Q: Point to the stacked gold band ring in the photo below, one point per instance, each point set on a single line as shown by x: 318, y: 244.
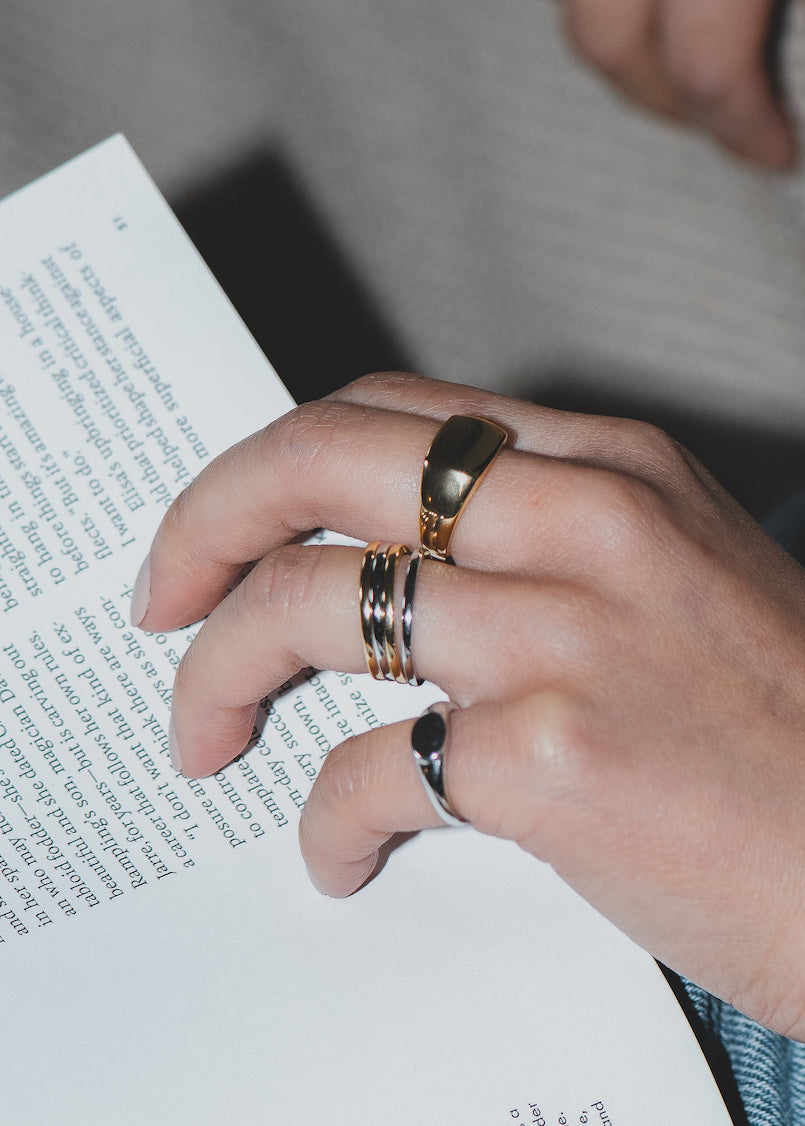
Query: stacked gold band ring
x: 458, y: 459
x: 387, y: 635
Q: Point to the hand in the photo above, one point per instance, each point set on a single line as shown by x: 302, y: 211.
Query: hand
x: 703, y: 62
x: 625, y: 647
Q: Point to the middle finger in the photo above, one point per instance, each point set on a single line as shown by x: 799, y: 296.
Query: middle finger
x: 299, y: 608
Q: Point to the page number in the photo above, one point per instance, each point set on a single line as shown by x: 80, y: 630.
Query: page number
x: 120, y: 223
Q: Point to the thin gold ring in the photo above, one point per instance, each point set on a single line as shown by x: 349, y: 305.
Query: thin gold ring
x: 367, y: 595
x: 385, y: 619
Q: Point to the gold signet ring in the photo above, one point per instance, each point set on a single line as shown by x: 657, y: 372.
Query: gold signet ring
x: 458, y: 458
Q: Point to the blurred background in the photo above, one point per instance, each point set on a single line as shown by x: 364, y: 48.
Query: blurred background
x: 438, y: 185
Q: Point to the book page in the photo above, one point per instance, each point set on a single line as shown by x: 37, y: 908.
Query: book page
x: 165, y: 957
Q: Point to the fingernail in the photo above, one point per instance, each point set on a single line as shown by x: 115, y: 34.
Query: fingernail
x: 173, y: 743
x: 141, y: 595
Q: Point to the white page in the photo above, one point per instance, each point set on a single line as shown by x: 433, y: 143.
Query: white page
x: 163, y: 956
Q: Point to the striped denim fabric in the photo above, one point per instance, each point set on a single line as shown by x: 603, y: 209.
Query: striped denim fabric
x: 768, y: 1069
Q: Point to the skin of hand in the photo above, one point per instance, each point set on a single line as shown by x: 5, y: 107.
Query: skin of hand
x: 700, y: 62
x: 623, y: 644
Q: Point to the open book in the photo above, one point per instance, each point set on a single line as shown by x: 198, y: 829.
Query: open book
x: 163, y: 957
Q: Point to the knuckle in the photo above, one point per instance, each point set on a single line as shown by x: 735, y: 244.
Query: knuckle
x: 611, y: 47
x: 401, y: 390
x: 654, y: 450
x: 704, y: 77
x: 184, y: 674
x: 177, y: 521
x: 666, y: 467
x: 346, y: 776
x: 563, y: 756
x: 197, y: 681
x: 621, y: 512
x: 301, y: 435
x: 307, y: 446
x: 382, y: 382
x: 645, y: 436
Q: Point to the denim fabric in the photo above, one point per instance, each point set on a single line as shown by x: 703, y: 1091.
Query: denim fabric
x: 768, y: 1069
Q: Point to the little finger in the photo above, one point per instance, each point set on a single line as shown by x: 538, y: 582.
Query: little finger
x: 369, y: 788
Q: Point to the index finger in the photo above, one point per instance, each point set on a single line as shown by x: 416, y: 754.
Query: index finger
x: 351, y: 464
x: 351, y: 467
x: 322, y: 465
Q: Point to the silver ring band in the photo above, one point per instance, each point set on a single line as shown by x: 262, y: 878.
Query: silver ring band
x: 428, y: 739
x: 409, y: 592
